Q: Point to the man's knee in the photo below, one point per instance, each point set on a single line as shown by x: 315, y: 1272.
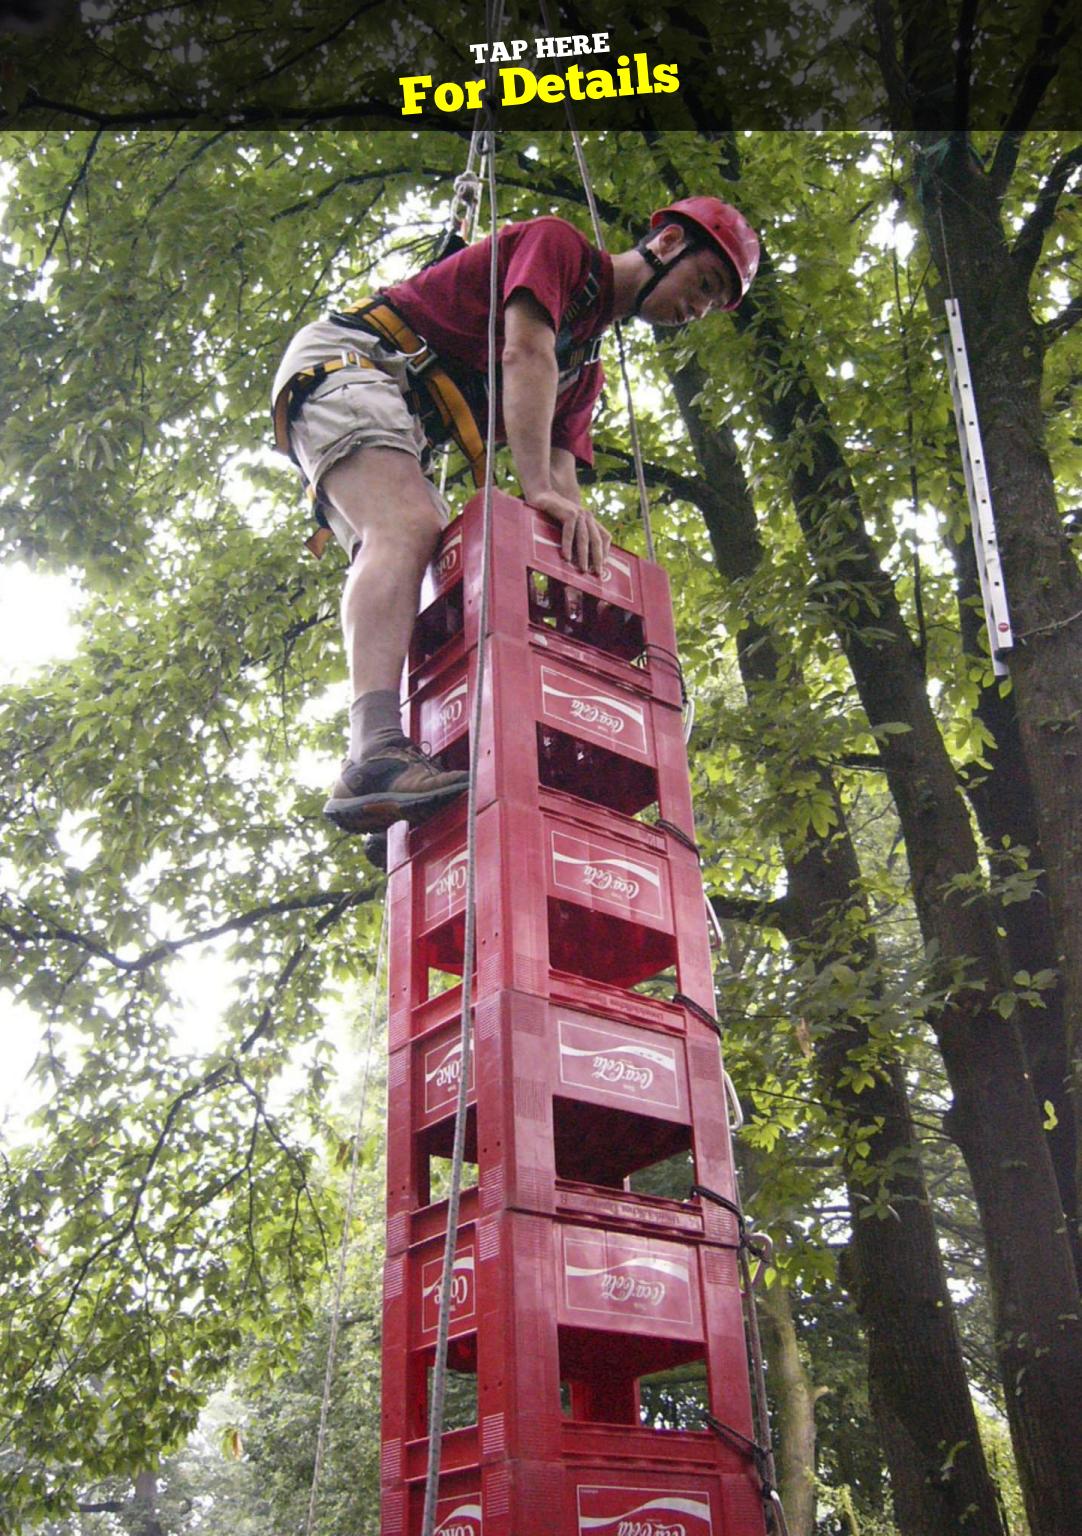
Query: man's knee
x: 386, y: 499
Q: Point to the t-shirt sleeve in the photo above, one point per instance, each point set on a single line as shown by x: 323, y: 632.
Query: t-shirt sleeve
x: 550, y: 260
x: 574, y: 413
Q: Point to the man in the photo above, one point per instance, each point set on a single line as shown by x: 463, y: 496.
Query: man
x: 362, y: 397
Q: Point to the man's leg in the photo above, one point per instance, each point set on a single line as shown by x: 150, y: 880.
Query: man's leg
x: 383, y: 495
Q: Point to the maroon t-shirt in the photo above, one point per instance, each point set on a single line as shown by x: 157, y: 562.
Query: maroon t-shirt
x: 447, y: 304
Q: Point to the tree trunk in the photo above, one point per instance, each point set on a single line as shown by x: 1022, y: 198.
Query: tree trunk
x: 144, y: 1521
x: 896, y: 1277
x: 1006, y: 815
x: 794, y: 1398
x: 961, y: 208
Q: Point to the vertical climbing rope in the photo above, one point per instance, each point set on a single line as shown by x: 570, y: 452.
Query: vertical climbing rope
x: 439, y: 1371
x: 599, y: 241
x: 465, y: 209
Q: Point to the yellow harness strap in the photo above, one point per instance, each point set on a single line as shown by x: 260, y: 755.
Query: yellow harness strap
x: 426, y: 373
x: 430, y: 385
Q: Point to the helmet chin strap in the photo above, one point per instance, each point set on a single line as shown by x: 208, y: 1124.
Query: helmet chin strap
x: 659, y: 267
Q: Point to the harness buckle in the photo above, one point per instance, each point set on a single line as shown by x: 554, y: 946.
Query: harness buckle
x: 426, y: 359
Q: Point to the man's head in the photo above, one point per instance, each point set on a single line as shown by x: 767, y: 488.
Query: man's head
x: 703, y: 255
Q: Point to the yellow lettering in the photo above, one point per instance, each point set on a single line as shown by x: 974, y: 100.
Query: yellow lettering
x: 449, y: 96
x: 666, y: 78
x: 551, y: 88
x: 599, y: 85
x: 519, y: 86
x: 413, y: 91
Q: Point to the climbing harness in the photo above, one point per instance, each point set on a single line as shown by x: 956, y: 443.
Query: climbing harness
x: 433, y: 396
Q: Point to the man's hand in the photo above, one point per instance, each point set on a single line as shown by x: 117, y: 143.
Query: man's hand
x: 583, y: 540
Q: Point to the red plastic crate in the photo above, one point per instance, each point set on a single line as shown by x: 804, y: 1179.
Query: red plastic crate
x: 563, y: 1107
x: 569, y: 1286
x: 546, y: 1302
x: 553, y: 724
x: 565, y: 887
x: 620, y: 625
x: 605, y: 1497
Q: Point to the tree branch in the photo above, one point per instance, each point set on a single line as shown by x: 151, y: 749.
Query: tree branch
x: 746, y: 909
x: 890, y: 66
x: 963, y: 59
x: 1004, y: 161
x: 1060, y: 324
x: 1041, y: 67
x: 80, y: 177
x: 1027, y: 248
x: 337, y: 901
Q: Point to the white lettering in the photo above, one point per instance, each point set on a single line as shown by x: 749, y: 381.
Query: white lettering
x: 609, y: 1071
x: 501, y: 52
x: 593, y: 714
x: 621, y: 1288
x: 449, y: 1072
x: 605, y: 880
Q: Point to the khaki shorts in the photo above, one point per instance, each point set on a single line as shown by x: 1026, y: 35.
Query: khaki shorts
x: 356, y: 408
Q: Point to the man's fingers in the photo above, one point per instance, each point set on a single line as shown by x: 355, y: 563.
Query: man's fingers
x: 567, y: 538
x: 600, y: 543
x: 582, y: 537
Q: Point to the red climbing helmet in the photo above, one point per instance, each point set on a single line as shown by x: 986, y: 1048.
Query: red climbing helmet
x: 725, y: 228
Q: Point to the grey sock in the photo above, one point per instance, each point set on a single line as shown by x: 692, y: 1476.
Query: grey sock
x: 374, y: 722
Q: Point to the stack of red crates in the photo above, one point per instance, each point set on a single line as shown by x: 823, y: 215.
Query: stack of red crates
x: 569, y: 1286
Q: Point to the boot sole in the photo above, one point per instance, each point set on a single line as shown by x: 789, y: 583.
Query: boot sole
x: 377, y: 812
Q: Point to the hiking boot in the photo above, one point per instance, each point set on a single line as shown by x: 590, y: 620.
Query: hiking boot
x: 401, y: 783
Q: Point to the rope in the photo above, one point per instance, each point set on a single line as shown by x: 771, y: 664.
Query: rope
x: 467, y: 199
x: 439, y: 1373
x: 636, y: 449
x: 599, y: 241
x: 343, y: 1250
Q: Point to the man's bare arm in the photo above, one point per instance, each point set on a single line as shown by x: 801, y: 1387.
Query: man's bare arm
x: 530, y: 377
x: 565, y: 475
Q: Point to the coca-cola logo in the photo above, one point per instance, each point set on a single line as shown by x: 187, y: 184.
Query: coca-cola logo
x: 593, y: 1055
x: 644, y: 1283
x: 448, y: 1072
x: 599, y: 879
x: 461, y: 1289
x: 463, y: 1520
x: 447, y: 560
x: 593, y: 714
x: 606, y: 1070
x: 608, y: 874
x: 624, y: 1288
x: 615, y: 1511
x: 453, y: 879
